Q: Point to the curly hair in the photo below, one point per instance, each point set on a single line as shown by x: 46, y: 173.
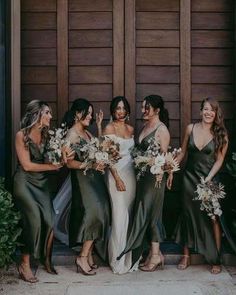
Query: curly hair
x: 218, y: 129
x: 33, y: 113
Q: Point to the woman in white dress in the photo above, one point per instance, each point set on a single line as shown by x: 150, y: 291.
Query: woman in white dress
x: 121, y: 183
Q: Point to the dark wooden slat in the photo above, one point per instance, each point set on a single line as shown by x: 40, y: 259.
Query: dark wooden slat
x: 157, y: 56
x: 212, y: 56
x: 36, y: 39
x: 98, y: 92
x: 209, y: 5
x: 90, y: 74
x: 90, y: 38
x: 169, y: 92
x: 62, y: 58
x: 90, y: 20
x: 90, y: 56
x: 218, y: 75
x: 39, y: 57
x: 130, y: 76
x: 104, y: 106
x: 215, y: 21
x: 95, y: 5
x: 172, y: 107
x: 226, y: 108
x: 221, y: 39
x: 219, y: 92
x: 38, y: 75
x: 118, y: 48
x: 160, y: 5
x: 45, y: 5
x: 42, y: 92
x: 185, y: 64
x: 157, y: 20
x: 157, y: 38
x: 157, y: 74
x: 38, y: 21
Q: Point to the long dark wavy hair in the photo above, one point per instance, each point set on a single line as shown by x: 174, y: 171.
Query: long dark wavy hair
x: 80, y: 105
x: 32, y: 116
x: 114, y: 104
x: 218, y: 129
x: 157, y: 102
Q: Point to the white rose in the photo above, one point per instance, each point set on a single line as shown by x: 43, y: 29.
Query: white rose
x: 104, y: 156
x: 156, y: 170
x: 98, y: 156
x: 159, y: 160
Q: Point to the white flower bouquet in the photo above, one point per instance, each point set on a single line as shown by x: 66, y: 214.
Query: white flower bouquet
x: 57, y: 140
x: 155, y: 160
x: 101, y: 151
x: 209, y: 193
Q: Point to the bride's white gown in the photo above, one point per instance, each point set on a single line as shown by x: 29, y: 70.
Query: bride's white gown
x: 121, y: 205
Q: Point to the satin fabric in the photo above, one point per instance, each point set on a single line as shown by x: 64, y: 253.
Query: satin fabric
x: 32, y: 198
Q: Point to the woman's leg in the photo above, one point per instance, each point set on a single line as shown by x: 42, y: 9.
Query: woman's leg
x: 81, y: 260
x: 217, y: 234
x: 48, y: 260
x: 185, y: 260
x: 90, y: 258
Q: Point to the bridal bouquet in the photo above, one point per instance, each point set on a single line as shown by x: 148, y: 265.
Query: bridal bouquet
x: 154, y: 160
x: 101, y: 151
x: 57, y: 140
x: 209, y: 194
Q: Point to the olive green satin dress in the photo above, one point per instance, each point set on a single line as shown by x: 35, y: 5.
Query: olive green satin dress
x: 194, y: 228
x: 146, y: 225
x: 90, y: 210
x: 32, y: 198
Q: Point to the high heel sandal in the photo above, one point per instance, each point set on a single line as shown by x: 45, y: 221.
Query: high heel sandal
x: 145, y: 261
x: 24, y: 277
x: 153, y: 265
x: 91, y: 262
x: 216, y: 269
x: 50, y: 268
x: 80, y: 269
x: 182, y: 265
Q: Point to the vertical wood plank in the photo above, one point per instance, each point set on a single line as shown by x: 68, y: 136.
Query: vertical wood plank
x: 185, y: 64
x: 130, y: 53
x: 118, y: 47
x: 15, y: 75
x: 62, y: 58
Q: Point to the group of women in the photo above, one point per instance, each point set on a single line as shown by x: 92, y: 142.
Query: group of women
x: 114, y: 214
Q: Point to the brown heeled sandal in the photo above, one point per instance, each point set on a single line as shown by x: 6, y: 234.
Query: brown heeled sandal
x: 80, y: 269
x: 153, y: 265
x: 182, y: 265
x: 24, y: 277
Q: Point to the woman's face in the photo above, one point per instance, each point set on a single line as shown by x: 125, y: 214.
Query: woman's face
x: 120, y: 112
x: 46, y: 117
x: 86, y: 121
x: 148, y: 111
x: 208, y: 114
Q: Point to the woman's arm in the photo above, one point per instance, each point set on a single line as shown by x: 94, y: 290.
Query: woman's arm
x: 24, y: 157
x: 218, y: 163
x: 99, y: 119
x: 184, y: 146
x: 162, y: 136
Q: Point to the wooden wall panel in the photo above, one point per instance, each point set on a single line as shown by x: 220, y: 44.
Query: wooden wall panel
x: 90, y: 38
x: 90, y: 56
x: 39, y: 75
x: 222, y: 92
x: 90, y: 20
x: 157, y: 74
x: 90, y: 75
x: 157, y: 56
x: 213, y: 21
x: 157, y: 38
x: 39, y: 57
x: 212, y: 56
x: 100, y: 92
x: 95, y: 5
x: 206, y: 38
x: 39, y: 21
x: 170, y: 92
x: 45, y: 5
x: 38, y: 39
x: 160, y: 5
x: 212, y: 6
x: 157, y: 20
x: 42, y: 92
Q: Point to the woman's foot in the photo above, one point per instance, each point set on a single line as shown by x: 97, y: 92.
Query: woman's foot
x: 25, y: 273
x: 216, y: 269
x: 83, y: 266
x: 145, y: 261
x: 155, y: 261
x: 184, y: 262
x: 91, y: 262
x: 49, y: 267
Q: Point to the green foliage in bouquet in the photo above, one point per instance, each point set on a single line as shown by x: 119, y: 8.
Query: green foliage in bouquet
x: 9, y: 228
x: 232, y: 167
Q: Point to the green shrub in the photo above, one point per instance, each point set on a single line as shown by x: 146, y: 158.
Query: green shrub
x: 9, y: 228
x: 232, y: 167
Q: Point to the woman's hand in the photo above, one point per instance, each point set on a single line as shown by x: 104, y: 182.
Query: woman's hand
x: 169, y: 180
x: 99, y: 166
x: 207, y: 179
x: 120, y: 186
x: 68, y: 154
x: 99, y: 118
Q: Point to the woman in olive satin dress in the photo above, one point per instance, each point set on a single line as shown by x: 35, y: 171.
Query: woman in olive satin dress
x: 30, y: 190
x: 206, y: 143
x: 90, y: 211
x: 146, y: 225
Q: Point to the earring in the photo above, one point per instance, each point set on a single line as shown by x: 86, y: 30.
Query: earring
x: 127, y: 117
x: 111, y: 119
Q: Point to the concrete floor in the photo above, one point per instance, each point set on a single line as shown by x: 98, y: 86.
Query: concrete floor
x: 195, y: 280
